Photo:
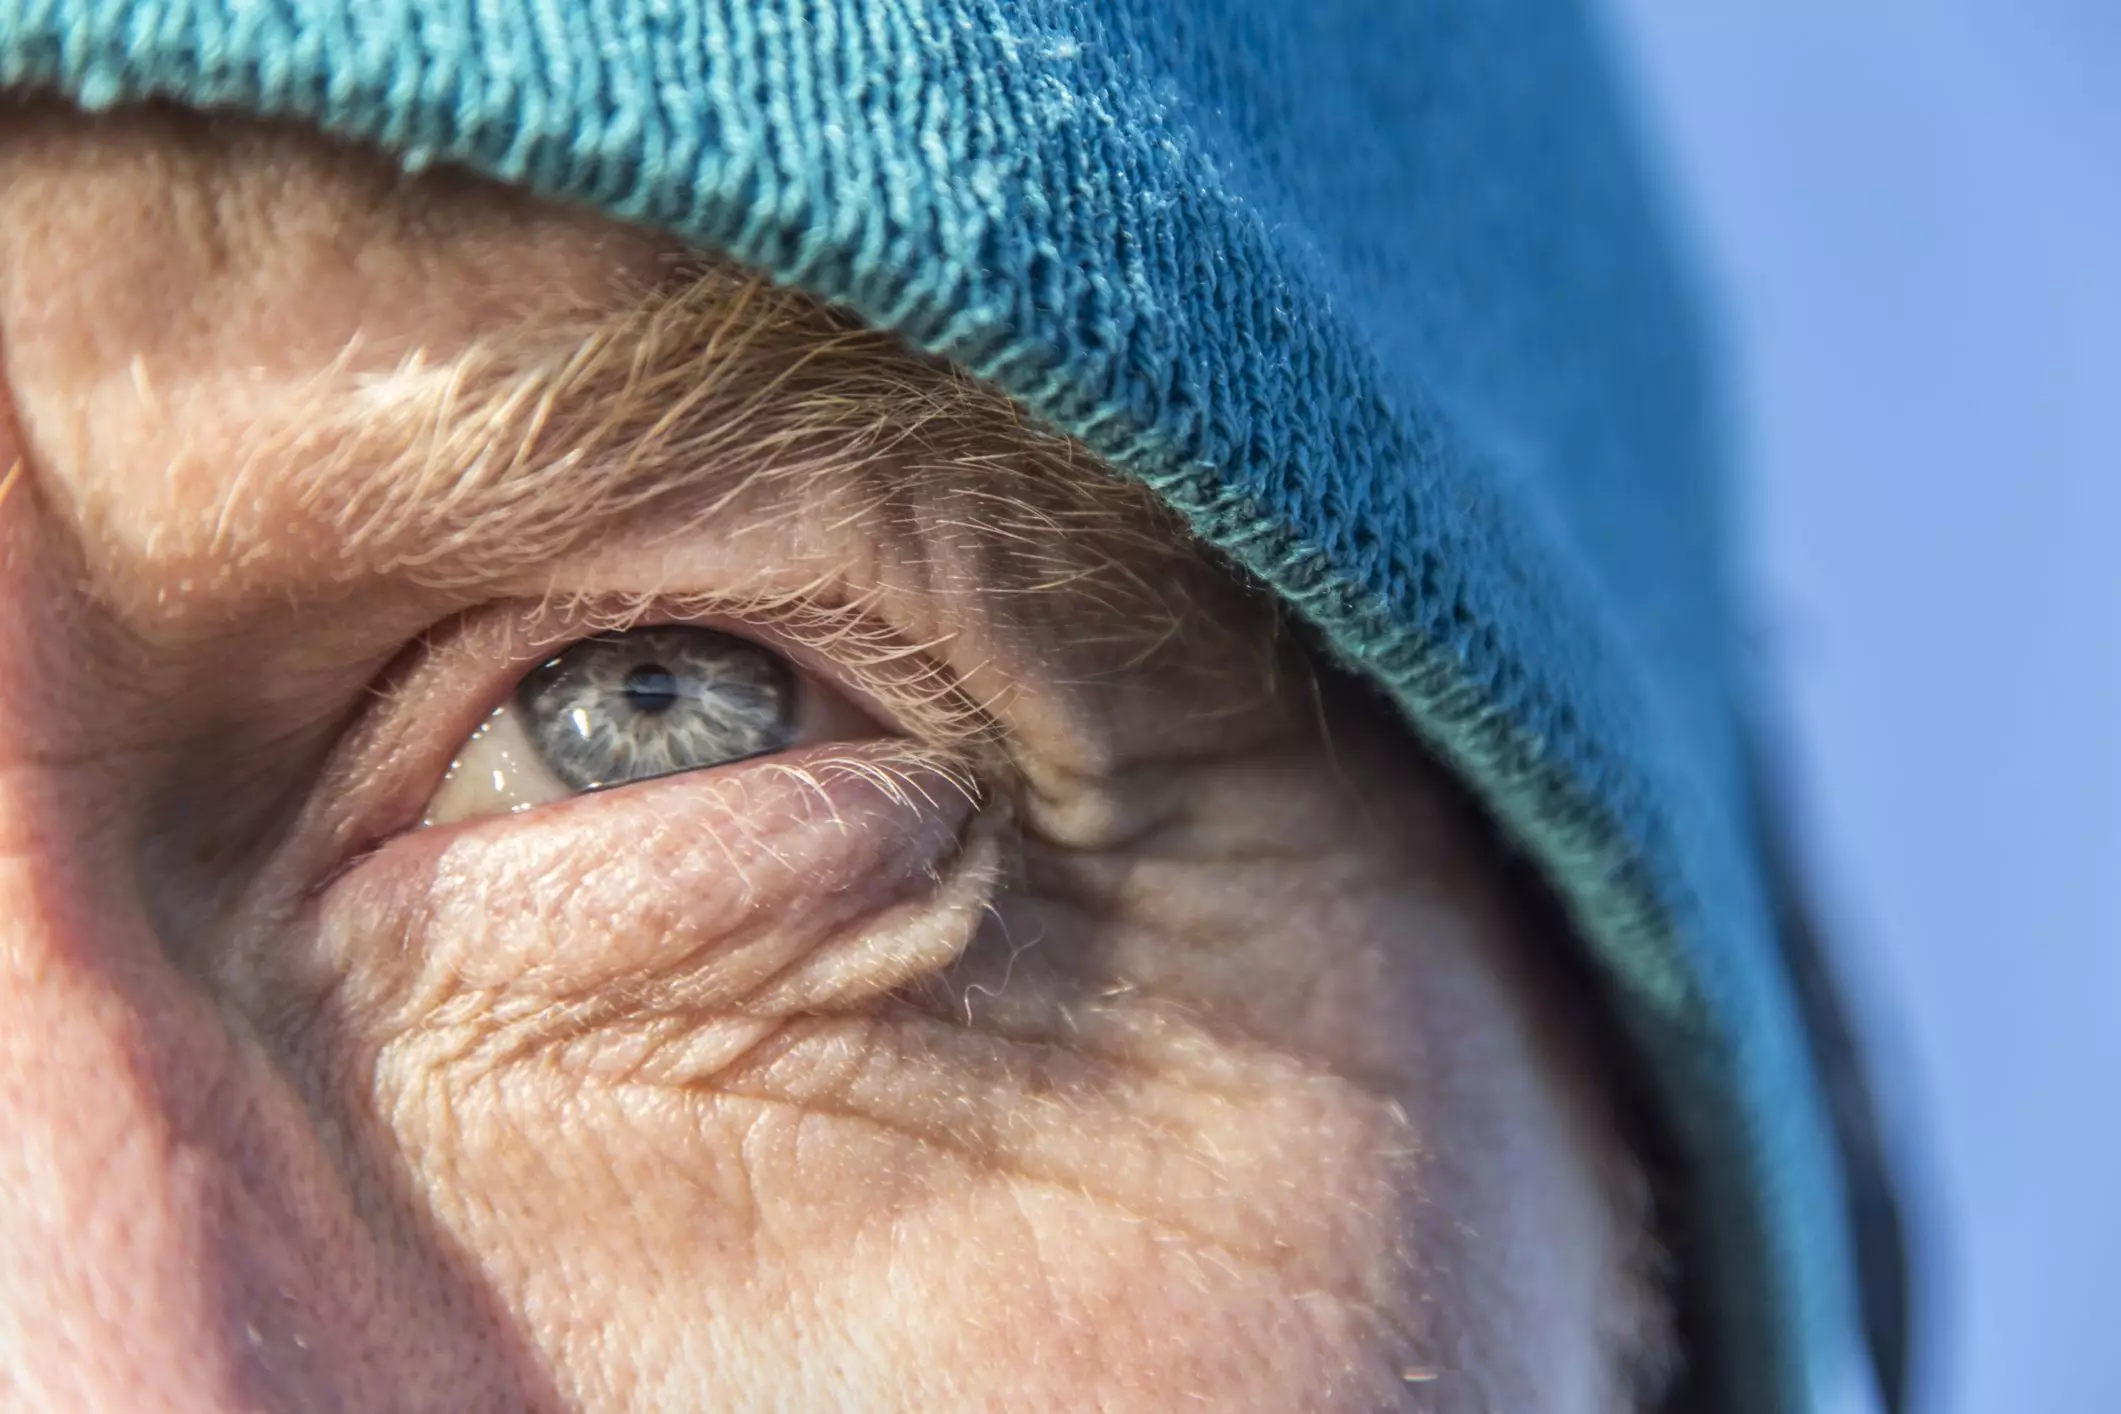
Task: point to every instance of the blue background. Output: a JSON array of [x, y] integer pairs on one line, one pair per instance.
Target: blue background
[[1913, 213]]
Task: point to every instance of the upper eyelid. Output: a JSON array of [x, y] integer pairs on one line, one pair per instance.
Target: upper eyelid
[[849, 643], [450, 679]]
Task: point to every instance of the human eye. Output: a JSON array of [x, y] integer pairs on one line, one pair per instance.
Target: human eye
[[619, 707]]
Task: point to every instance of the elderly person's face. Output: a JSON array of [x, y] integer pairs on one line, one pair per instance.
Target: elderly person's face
[[576, 834]]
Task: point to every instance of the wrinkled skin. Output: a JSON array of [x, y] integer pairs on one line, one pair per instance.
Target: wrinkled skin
[[1200, 1056]]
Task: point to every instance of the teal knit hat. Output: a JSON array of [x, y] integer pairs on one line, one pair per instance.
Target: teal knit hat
[[1371, 290]]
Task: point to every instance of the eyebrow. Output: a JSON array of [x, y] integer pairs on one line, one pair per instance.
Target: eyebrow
[[725, 398], [542, 439]]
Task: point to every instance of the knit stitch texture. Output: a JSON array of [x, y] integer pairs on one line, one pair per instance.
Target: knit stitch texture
[[1373, 291]]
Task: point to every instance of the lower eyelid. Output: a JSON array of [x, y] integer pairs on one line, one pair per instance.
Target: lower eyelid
[[619, 887], [499, 770]]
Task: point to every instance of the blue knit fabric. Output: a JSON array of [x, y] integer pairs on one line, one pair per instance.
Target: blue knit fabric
[[1372, 290]]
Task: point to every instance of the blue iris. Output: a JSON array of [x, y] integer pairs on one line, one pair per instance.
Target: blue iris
[[650, 702]]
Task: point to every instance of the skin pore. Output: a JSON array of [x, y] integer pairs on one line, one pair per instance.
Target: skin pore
[[1092, 1009]]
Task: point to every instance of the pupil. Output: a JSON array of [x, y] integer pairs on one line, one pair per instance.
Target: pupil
[[651, 688]]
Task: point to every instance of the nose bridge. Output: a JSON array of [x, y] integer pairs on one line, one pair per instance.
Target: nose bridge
[[102, 1200], [173, 1234], [106, 1280]]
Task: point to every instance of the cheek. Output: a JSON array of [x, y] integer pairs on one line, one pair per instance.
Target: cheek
[[786, 1101], [936, 1238], [1110, 1208]]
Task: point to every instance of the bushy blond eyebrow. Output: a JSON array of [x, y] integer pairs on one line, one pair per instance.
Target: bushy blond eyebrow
[[540, 439], [723, 404]]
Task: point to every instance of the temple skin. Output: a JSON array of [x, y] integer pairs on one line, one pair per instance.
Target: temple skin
[[1109, 1012]]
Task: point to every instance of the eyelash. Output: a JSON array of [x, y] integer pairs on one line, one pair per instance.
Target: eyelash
[[904, 684], [454, 676]]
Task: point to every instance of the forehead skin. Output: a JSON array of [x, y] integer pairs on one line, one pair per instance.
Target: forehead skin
[[186, 279], [1142, 1025]]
